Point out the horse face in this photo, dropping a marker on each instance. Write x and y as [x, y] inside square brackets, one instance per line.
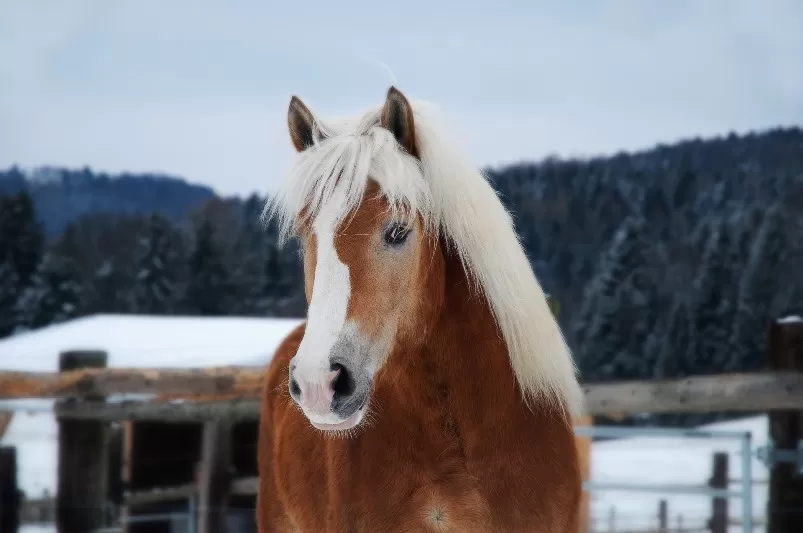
[364, 280]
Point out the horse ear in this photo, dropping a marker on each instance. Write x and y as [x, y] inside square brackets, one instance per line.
[301, 124]
[397, 116]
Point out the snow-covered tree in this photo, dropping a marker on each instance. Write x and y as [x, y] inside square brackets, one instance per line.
[158, 256]
[712, 308]
[9, 295]
[55, 294]
[759, 289]
[210, 287]
[613, 344]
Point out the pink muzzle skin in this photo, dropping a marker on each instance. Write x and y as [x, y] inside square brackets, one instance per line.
[317, 392]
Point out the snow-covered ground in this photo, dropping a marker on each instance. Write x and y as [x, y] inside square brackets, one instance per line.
[136, 341]
[674, 461]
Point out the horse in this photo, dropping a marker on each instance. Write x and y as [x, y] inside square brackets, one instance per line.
[429, 387]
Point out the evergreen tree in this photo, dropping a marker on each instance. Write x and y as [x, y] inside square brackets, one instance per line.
[21, 235]
[758, 289]
[21, 243]
[157, 261]
[55, 294]
[9, 295]
[613, 269]
[109, 289]
[671, 361]
[609, 350]
[210, 288]
[712, 307]
[56, 291]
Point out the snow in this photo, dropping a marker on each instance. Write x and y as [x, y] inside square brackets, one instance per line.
[676, 461]
[791, 319]
[132, 341]
[141, 341]
[37, 528]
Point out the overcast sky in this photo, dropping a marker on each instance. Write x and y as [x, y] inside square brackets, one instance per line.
[199, 88]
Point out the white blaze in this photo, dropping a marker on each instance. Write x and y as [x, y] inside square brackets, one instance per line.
[326, 316]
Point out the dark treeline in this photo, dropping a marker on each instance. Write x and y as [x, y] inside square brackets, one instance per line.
[667, 262]
[219, 261]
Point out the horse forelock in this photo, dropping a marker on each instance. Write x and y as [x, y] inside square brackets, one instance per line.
[454, 199]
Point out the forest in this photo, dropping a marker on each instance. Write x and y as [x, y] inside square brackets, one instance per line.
[666, 262]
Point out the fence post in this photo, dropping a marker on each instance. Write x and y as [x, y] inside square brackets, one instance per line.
[719, 506]
[83, 459]
[127, 447]
[663, 524]
[214, 479]
[785, 345]
[9, 492]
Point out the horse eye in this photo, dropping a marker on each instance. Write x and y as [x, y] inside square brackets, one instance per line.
[396, 235]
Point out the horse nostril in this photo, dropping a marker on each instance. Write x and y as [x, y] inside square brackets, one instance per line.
[295, 390]
[344, 384]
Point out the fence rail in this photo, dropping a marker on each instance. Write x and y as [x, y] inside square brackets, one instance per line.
[233, 392]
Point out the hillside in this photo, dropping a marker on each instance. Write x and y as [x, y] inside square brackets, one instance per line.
[667, 262]
[63, 195]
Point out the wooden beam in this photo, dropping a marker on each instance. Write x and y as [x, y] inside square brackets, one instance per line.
[148, 497]
[125, 472]
[700, 394]
[10, 501]
[234, 410]
[728, 392]
[244, 486]
[111, 381]
[785, 353]
[82, 460]
[214, 479]
[718, 523]
[5, 421]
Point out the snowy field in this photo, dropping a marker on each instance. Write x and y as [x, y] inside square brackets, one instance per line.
[136, 341]
[674, 461]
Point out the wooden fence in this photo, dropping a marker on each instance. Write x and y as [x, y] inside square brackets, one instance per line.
[86, 392]
[233, 392]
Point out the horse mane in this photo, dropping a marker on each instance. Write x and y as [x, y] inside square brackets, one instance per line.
[455, 200]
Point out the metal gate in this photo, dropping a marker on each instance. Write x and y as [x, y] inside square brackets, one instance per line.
[744, 493]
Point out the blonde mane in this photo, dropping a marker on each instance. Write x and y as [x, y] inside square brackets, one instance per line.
[455, 200]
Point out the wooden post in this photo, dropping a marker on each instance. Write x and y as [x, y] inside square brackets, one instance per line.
[9, 493]
[127, 429]
[83, 459]
[719, 506]
[663, 517]
[115, 489]
[214, 480]
[784, 513]
[5, 421]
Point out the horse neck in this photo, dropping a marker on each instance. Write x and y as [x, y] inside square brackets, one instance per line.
[461, 353]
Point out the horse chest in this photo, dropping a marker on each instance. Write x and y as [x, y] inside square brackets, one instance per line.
[391, 485]
[414, 495]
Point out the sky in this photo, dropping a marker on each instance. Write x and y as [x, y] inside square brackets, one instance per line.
[199, 88]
